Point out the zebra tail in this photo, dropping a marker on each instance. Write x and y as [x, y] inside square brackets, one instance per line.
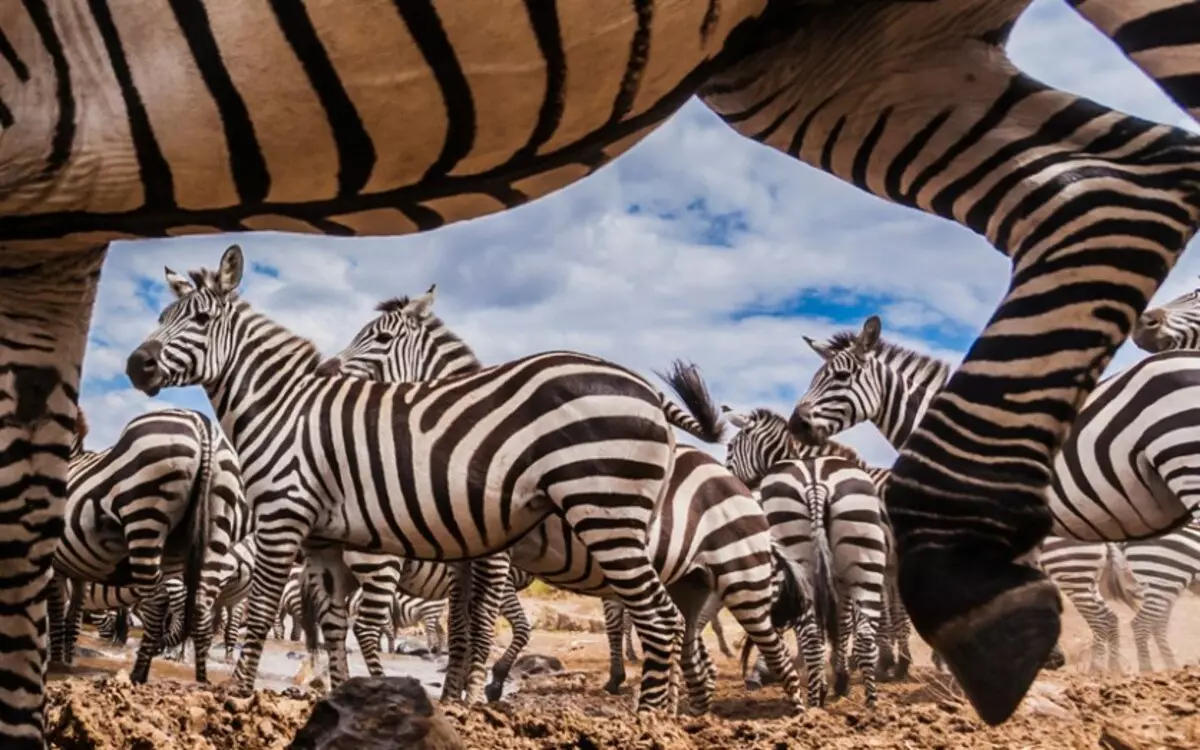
[793, 596]
[1117, 582]
[201, 532]
[702, 419]
[824, 587]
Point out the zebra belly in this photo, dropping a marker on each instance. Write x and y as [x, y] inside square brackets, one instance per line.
[392, 118]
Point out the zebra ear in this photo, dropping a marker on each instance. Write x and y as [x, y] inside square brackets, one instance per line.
[821, 349]
[229, 273]
[180, 285]
[423, 305]
[737, 420]
[868, 338]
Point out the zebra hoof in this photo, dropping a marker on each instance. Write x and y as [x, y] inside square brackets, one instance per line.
[841, 684]
[492, 691]
[1056, 660]
[613, 687]
[901, 670]
[753, 685]
[992, 621]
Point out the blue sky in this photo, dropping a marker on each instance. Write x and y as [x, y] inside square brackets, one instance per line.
[696, 244]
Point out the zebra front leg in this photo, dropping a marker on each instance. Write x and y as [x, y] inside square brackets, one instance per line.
[46, 300]
[614, 628]
[331, 583]
[698, 672]
[1159, 629]
[459, 645]
[373, 616]
[631, 654]
[511, 609]
[719, 632]
[235, 617]
[274, 551]
[489, 577]
[939, 119]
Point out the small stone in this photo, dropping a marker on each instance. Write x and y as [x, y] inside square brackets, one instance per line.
[1180, 708]
[1115, 738]
[377, 713]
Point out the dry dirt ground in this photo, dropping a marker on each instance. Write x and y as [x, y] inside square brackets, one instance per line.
[1066, 709]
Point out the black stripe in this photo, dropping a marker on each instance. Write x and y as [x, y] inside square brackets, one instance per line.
[246, 160]
[1169, 27]
[543, 16]
[427, 31]
[710, 19]
[159, 187]
[356, 152]
[6, 118]
[9, 53]
[64, 128]
[862, 157]
[639, 53]
[1183, 88]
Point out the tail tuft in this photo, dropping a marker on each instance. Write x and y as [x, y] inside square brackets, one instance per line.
[703, 419]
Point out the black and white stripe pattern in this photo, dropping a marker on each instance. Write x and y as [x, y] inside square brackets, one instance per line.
[1175, 325]
[951, 128]
[165, 499]
[708, 525]
[311, 451]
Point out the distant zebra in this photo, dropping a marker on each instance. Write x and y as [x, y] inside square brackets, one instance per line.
[165, 499]
[313, 449]
[289, 606]
[760, 444]
[706, 519]
[1175, 325]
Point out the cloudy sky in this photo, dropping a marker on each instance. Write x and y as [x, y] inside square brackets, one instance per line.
[696, 244]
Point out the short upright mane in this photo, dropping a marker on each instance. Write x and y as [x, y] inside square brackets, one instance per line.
[763, 415]
[206, 278]
[896, 356]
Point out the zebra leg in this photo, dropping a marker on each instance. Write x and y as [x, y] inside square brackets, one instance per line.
[73, 622]
[711, 616]
[952, 127]
[511, 609]
[235, 617]
[614, 621]
[1103, 623]
[373, 616]
[460, 633]
[154, 621]
[631, 654]
[810, 639]
[698, 671]
[1159, 629]
[332, 583]
[275, 550]
[56, 596]
[839, 657]
[899, 630]
[490, 575]
[432, 620]
[46, 300]
[866, 652]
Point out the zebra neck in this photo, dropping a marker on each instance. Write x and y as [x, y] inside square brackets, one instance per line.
[903, 405]
[269, 368]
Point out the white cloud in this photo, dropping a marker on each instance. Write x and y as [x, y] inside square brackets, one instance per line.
[576, 270]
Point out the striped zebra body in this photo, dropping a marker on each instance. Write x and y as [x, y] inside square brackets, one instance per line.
[289, 605]
[313, 468]
[336, 140]
[410, 611]
[705, 520]
[165, 499]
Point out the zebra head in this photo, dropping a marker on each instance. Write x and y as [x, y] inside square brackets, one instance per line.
[846, 389]
[761, 441]
[188, 347]
[405, 343]
[1175, 325]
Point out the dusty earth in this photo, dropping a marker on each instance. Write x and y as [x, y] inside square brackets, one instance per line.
[1065, 709]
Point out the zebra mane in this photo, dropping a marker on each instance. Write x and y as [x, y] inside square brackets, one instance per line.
[913, 364]
[206, 278]
[395, 304]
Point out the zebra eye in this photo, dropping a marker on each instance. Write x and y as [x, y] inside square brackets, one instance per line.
[384, 337]
[202, 318]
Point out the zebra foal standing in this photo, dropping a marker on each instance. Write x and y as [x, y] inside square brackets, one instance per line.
[708, 536]
[330, 462]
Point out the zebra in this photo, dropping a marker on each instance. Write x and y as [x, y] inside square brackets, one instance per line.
[165, 498]
[931, 114]
[407, 611]
[1175, 325]
[761, 442]
[619, 628]
[1098, 492]
[690, 534]
[289, 606]
[301, 452]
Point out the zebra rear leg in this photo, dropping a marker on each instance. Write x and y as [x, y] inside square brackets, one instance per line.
[56, 606]
[373, 616]
[490, 575]
[154, 621]
[866, 653]
[511, 609]
[614, 629]
[275, 550]
[839, 656]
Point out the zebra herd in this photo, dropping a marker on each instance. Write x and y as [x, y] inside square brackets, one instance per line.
[402, 480]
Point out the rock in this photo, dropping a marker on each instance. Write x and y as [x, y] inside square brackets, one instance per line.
[535, 664]
[1180, 708]
[377, 713]
[1116, 738]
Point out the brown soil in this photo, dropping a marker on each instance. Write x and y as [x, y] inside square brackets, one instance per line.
[1066, 709]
